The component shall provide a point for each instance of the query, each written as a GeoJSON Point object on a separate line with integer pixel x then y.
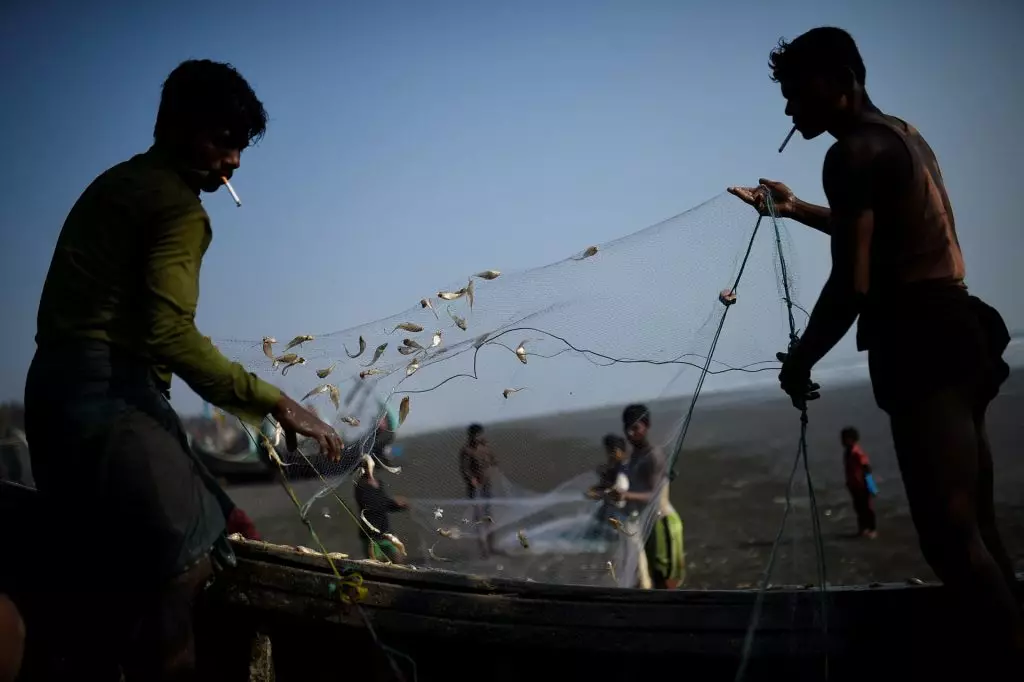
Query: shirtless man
{"type": "Point", "coordinates": [934, 351]}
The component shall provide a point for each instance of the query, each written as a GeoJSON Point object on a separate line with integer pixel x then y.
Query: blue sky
{"type": "Point", "coordinates": [411, 143]}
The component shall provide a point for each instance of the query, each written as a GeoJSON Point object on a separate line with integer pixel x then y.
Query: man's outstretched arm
{"type": "Point", "coordinates": [171, 289]}
{"type": "Point", "coordinates": [848, 180]}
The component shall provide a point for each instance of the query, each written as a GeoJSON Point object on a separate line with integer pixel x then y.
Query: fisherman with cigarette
{"type": "Point", "coordinates": [116, 320]}
{"type": "Point", "coordinates": [934, 350]}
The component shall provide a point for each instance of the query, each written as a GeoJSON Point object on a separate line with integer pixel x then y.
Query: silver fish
{"type": "Point", "coordinates": [509, 391]}
{"type": "Point", "coordinates": [411, 343]}
{"type": "Point", "coordinates": [377, 353]}
{"type": "Point", "coordinates": [322, 388]}
{"type": "Point", "coordinates": [469, 293]}
{"type": "Point", "coordinates": [373, 528]}
{"type": "Point", "coordinates": [433, 555]}
{"type": "Point", "coordinates": [436, 340]}
{"type": "Point", "coordinates": [451, 295]}
{"type": "Point", "coordinates": [298, 341]}
{"type": "Point", "coordinates": [390, 470]}
{"type": "Point", "coordinates": [324, 373]}
{"type": "Point", "coordinates": [268, 346]}
{"type": "Point", "coordinates": [351, 421]}
{"type": "Point", "coordinates": [425, 303]}
{"type": "Point", "coordinates": [459, 322]}
{"type": "Point", "coordinates": [521, 351]}
{"type": "Point", "coordinates": [403, 410]}
{"type": "Point", "coordinates": [488, 274]}
{"type": "Point", "coordinates": [394, 541]}
{"type": "Point", "coordinates": [591, 251]}
{"type": "Point", "coordinates": [407, 326]}
{"type": "Point", "coordinates": [362, 347]}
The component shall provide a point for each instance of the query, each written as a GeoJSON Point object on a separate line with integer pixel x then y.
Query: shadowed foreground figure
{"type": "Point", "coordinates": [12, 639]}
{"type": "Point", "coordinates": [116, 320]}
{"type": "Point", "coordinates": [934, 350]}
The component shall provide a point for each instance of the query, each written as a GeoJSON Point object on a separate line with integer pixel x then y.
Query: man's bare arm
{"type": "Point", "coordinates": [849, 185]}
{"type": "Point", "coordinates": [812, 215]}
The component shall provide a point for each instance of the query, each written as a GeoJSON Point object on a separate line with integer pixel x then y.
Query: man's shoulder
{"type": "Point", "coordinates": [145, 181]}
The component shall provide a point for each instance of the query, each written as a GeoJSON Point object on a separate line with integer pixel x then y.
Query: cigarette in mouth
{"type": "Point", "coordinates": [784, 143]}
{"type": "Point", "coordinates": [238, 202]}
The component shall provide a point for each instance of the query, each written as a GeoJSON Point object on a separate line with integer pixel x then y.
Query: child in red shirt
{"type": "Point", "coordinates": [859, 482]}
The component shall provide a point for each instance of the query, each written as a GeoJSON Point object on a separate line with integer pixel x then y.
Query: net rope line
{"type": "Point", "coordinates": [706, 369]}
{"type": "Point", "coordinates": [801, 454]}
{"type": "Point", "coordinates": [352, 581]}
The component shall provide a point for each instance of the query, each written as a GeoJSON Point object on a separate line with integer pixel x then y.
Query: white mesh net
{"type": "Point", "coordinates": [544, 360]}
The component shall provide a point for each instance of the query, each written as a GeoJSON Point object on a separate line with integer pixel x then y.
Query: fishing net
{"type": "Point", "coordinates": [545, 360]}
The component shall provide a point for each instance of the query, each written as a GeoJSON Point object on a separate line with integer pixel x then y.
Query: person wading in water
{"type": "Point", "coordinates": [116, 320]}
{"type": "Point", "coordinates": [934, 350]}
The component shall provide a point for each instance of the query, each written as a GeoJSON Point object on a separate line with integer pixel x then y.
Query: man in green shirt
{"type": "Point", "coordinates": [116, 320]}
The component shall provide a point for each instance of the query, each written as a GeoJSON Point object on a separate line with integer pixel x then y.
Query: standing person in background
{"type": "Point", "coordinates": [859, 482]}
{"type": "Point", "coordinates": [648, 485]}
{"type": "Point", "coordinates": [375, 505]}
{"type": "Point", "coordinates": [476, 464]}
{"type": "Point", "coordinates": [612, 476]}
{"type": "Point", "coordinates": [116, 320]}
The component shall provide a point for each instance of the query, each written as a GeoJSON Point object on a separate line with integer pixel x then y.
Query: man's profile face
{"type": "Point", "coordinates": [218, 154]}
{"type": "Point", "coordinates": [810, 103]}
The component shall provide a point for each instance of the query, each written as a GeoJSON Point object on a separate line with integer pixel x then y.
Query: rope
{"type": "Point", "coordinates": [707, 363]}
{"type": "Point", "coordinates": [352, 589]}
{"type": "Point", "coordinates": [801, 454]}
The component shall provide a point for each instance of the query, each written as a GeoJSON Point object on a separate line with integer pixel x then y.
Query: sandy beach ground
{"type": "Point", "coordinates": [730, 488]}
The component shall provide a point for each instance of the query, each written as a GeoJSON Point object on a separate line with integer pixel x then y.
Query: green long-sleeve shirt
{"type": "Point", "coordinates": [126, 271]}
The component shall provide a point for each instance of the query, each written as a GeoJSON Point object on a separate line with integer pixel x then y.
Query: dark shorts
{"type": "Point", "coordinates": [114, 469]}
{"type": "Point", "coordinates": [934, 339]}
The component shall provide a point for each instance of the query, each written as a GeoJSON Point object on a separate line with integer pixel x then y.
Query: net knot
{"type": "Point", "coordinates": [349, 588]}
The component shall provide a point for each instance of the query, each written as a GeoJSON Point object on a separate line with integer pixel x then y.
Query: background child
{"type": "Point", "coordinates": [374, 505]}
{"type": "Point", "coordinates": [859, 482]}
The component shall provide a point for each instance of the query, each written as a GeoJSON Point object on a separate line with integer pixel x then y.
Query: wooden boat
{"type": "Point", "coordinates": [459, 627]}
{"type": "Point", "coordinates": [464, 627]}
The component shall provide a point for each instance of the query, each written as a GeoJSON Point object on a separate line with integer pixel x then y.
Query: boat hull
{"type": "Point", "coordinates": [461, 627]}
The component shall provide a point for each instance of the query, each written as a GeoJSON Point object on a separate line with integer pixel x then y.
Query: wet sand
{"type": "Point", "coordinates": [730, 488]}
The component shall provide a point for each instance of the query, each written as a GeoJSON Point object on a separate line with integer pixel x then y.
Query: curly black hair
{"type": "Point", "coordinates": [850, 433]}
{"type": "Point", "coordinates": [201, 95]}
{"type": "Point", "coordinates": [636, 413]}
{"type": "Point", "coordinates": [825, 50]}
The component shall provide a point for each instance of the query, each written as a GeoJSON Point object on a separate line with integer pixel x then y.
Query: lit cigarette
{"type": "Point", "coordinates": [238, 202]}
{"type": "Point", "coordinates": [784, 143]}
